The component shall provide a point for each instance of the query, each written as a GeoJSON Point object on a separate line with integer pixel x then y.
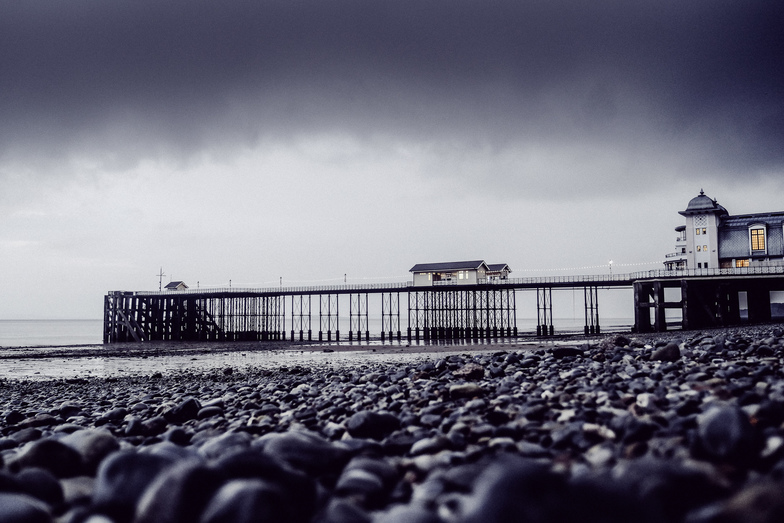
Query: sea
{"type": "Point", "coordinates": [63, 333]}
{"type": "Point", "coordinates": [50, 333]}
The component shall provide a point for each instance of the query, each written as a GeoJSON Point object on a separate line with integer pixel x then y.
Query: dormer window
{"type": "Point", "coordinates": [757, 239]}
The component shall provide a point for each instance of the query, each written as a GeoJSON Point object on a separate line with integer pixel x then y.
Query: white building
{"type": "Point", "coordinates": [712, 238]}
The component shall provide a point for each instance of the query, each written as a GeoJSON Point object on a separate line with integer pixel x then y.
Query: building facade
{"type": "Point", "coordinates": [712, 238]}
{"type": "Point", "coordinates": [457, 273]}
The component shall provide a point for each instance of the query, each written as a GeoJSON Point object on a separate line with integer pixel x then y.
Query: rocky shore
{"type": "Point", "coordinates": [650, 429]}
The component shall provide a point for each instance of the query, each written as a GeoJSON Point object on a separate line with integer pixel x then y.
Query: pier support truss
{"type": "Point", "coordinates": [129, 317]}
{"type": "Point", "coordinates": [544, 312]}
{"type": "Point", "coordinates": [461, 314]}
{"type": "Point", "coordinates": [358, 316]}
{"type": "Point", "coordinates": [591, 310]}
{"type": "Point", "coordinates": [390, 314]}
{"type": "Point", "coordinates": [329, 310]}
{"type": "Point", "coordinates": [301, 317]}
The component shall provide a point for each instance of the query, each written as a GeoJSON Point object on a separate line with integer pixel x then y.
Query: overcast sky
{"type": "Point", "coordinates": [304, 140]}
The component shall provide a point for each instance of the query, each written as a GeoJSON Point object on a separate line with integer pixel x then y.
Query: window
{"type": "Point", "coordinates": [699, 265]}
{"type": "Point", "coordinates": [699, 248]}
{"type": "Point", "coordinates": [705, 248]}
{"type": "Point", "coordinates": [698, 231]}
{"type": "Point", "coordinates": [704, 231]}
{"type": "Point", "coordinates": [741, 263]}
{"type": "Point", "coordinates": [757, 239]}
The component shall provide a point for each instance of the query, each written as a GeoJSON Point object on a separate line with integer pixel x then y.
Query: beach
{"type": "Point", "coordinates": [678, 426]}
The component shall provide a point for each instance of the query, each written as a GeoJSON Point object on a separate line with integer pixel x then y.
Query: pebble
{"type": "Point", "coordinates": [652, 428]}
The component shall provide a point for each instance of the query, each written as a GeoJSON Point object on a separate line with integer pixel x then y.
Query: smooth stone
{"type": "Point", "coordinates": [53, 455]}
{"type": "Point", "coordinates": [122, 479]}
{"type": "Point", "coordinates": [254, 464]}
{"type": "Point", "coordinates": [470, 371]}
{"type": "Point", "coordinates": [361, 485]}
{"type": "Point", "coordinates": [224, 444]}
{"type": "Point", "coordinates": [343, 511]}
{"type": "Point", "coordinates": [209, 412]}
{"type": "Point", "coordinates": [565, 352]}
{"type": "Point", "coordinates": [77, 489]}
{"type": "Point", "coordinates": [465, 390]}
{"type": "Point", "coordinates": [725, 434]}
{"type": "Point", "coordinates": [93, 445]}
{"type": "Point", "coordinates": [670, 352]}
{"type": "Point", "coordinates": [430, 445]}
{"type": "Point", "coordinates": [154, 426]}
{"type": "Point", "coordinates": [378, 467]}
{"type": "Point", "coordinates": [116, 414]}
{"type": "Point", "coordinates": [249, 501]}
{"type": "Point", "coordinates": [13, 417]}
{"type": "Point", "coordinates": [178, 493]}
{"type": "Point", "coordinates": [26, 435]}
{"type": "Point", "coordinates": [69, 408]}
{"type": "Point", "coordinates": [407, 514]}
{"type": "Point", "coordinates": [178, 436]}
{"type": "Point", "coordinates": [305, 451]}
{"type": "Point", "coordinates": [9, 483]}
{"type": "Point", "coordinates": [670, 487]}
{"type": "Point", "coordinates": [21, 508]}
{"type": "Point", "coordinates": [761, 503]}
{"type": "Point", "coordinates": [135, 427]}
{"type": "Point", "coordinates": [41, 484]}
{"type": "Point", "coordinates": [372, 425]}
{"type": "Point", "coordinates": [187, 410]}
{"type": "Point", "coordinates": [515, 490]}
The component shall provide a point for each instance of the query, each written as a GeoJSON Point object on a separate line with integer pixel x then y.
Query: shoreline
{"type": "Point", "coordinates": [89, 361]}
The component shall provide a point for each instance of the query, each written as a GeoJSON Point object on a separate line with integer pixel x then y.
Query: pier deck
{"type": "Point", "coordinates": [446, 310]}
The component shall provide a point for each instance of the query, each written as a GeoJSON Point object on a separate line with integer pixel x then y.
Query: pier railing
{"type": "Point", "coordinates": [619, 279]}
{"type": "Point", "coordinates": [356, 287]}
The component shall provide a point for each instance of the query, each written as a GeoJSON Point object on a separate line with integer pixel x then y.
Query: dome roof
{"type": "Point", "coordinates": [703, 204]}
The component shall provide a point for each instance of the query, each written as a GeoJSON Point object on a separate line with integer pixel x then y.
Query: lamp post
{"type": "Point", "coordinates": [610, 269]}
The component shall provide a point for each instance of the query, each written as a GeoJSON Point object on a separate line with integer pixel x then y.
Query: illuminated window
{"type": "Point", "coordinates": [704, 231]}
{"type": "Point", "coordinates": [705, 248]}
{"type": "Point", "coordinates": [742, 263]}
{"type": "Point", "coordinates": [757, 239]}
{"type": "Point", "coordinates": [698, 230]}
{"type": "Point", "coordinates": [699, 248]}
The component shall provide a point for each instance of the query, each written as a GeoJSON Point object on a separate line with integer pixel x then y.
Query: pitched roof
{"type": "Point", "coordinates": [498, 267]}
{"type": "Point", "coordinates": [744, 220]}
{"type": "Point", "coordinates": [175, 284]}
{"type": "Point", "coordinates": [448, 266]}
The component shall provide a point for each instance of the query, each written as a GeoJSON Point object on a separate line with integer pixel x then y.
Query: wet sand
{"type": "Point", "coordinates": [130, 359]}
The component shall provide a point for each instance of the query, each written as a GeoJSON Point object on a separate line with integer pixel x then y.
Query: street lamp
{"type": "Point", "coordinates": [610, 267]}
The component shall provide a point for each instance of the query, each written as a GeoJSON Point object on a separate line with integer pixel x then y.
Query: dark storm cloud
{"type": "Point", "coordinates": [129, 79]}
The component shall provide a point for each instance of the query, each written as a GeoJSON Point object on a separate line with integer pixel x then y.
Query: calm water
{"type": "Point", "coordinates": [49, 333]}
{"type": "Point", "coordinates": [55, 333]}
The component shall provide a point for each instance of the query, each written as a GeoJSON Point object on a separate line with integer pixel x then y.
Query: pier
{"type": "Point", "coordinates": [701, 298]}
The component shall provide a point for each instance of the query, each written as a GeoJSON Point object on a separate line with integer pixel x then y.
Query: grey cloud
{"type": "Point", "coordinates": [127, 80]}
